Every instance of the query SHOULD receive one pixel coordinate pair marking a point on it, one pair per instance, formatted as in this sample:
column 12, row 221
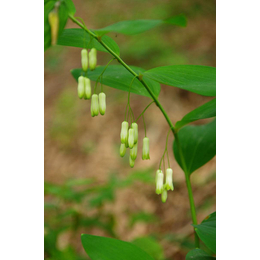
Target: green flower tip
column 81, row 90
column 133, row 152
column 169, row 183
column 87, row 85
column 94, row 105
column 146, row 155
column 135, row 127
column 131, row 162
column 92, row 59
column 164, row 195
column 131, row 138
column 124, row 133
column 102, row 103
column 159, row 182
column 84, row 59
column 122, row 150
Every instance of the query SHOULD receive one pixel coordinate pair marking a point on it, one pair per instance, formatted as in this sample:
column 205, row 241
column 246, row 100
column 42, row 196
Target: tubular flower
column 84, row 59
column 102, row 103
column 131, row 162
column 131, row 138
column 124, row 133
column 92, row 59
column 146, row 155
column 135, row 127
column 81, row 87
column 164, row 195
column 54, row 24
column 133, row 152
column 94, row 105
column 122, row 150
column 87, row 88
column 168, row 182
column 159, row 182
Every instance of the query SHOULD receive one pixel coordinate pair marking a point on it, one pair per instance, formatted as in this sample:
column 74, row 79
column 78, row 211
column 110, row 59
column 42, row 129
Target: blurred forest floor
column 89, row 188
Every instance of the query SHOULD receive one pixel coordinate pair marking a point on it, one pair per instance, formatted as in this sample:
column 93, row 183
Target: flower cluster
column 161, row 187
column 98, row 102
column 129, row 139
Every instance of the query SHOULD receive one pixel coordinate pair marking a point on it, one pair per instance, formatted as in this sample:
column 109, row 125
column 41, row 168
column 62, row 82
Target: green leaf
column 48, row 6
column 205, row 111
column 64, row 9
column 104, row 248
column 116, row 76
column 150, row 246
column 198, row 254
column 70, row 7
column 139, row 26
column 194, row 78
column 198, row 145
column 79, row 38
column 207, row 231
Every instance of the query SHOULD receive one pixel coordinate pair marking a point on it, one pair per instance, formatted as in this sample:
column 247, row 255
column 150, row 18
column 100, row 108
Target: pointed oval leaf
column 77, row 37
column 207, row 110
column 198, row 145
column 198, row 254
column 116, row 76
column 139, row 26
column 207, row 231
column 194, row 78
column 104, row 248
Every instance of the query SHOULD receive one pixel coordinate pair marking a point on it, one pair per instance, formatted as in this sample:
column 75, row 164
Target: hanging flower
column 146, row 155
column 92, row 59
column 131, row 138
column 159, row 182
column 87, row 88
column 124, row 133
column 84, row 59
column 81, row 90
column 135, row 127
column 94, row 105
column 168, row 182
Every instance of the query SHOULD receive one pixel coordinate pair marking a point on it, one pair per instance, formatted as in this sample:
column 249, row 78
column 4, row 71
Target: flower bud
column 168, row 182
column 131, row 138
column 94, row 105
column 131, row 162
column 133, row 152
column 164, row 195
column 92, row 59
column 81, row 87
column 122, row 150
column 159, row 182
column 146, row 155
column 102, row 103
column 84, row 59
column 87, row 88
column 135, row 127
column 124, row 133
column 54, row 24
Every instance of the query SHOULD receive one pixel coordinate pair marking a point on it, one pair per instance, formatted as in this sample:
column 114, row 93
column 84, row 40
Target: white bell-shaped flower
column 84, row 59
column 81, row 90
column 146, row 155
column 124, row 133
column 159, row 182
column 168, row 182
column 102, row 103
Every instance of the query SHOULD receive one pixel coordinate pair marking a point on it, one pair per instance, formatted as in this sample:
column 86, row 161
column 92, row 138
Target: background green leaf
column 205, row 111
column 194, row 78
column 116, row 76
column 139, row 26
column 70, row 7
column 150, row 246
column 104, row 248
column 48, row 6
column 65, row 8
column 207, row 231
column 79, row 38
column 198, row 254
column 198, row 144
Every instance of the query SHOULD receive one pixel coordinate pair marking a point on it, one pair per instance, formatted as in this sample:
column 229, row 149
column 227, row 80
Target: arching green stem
column 139, row 77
